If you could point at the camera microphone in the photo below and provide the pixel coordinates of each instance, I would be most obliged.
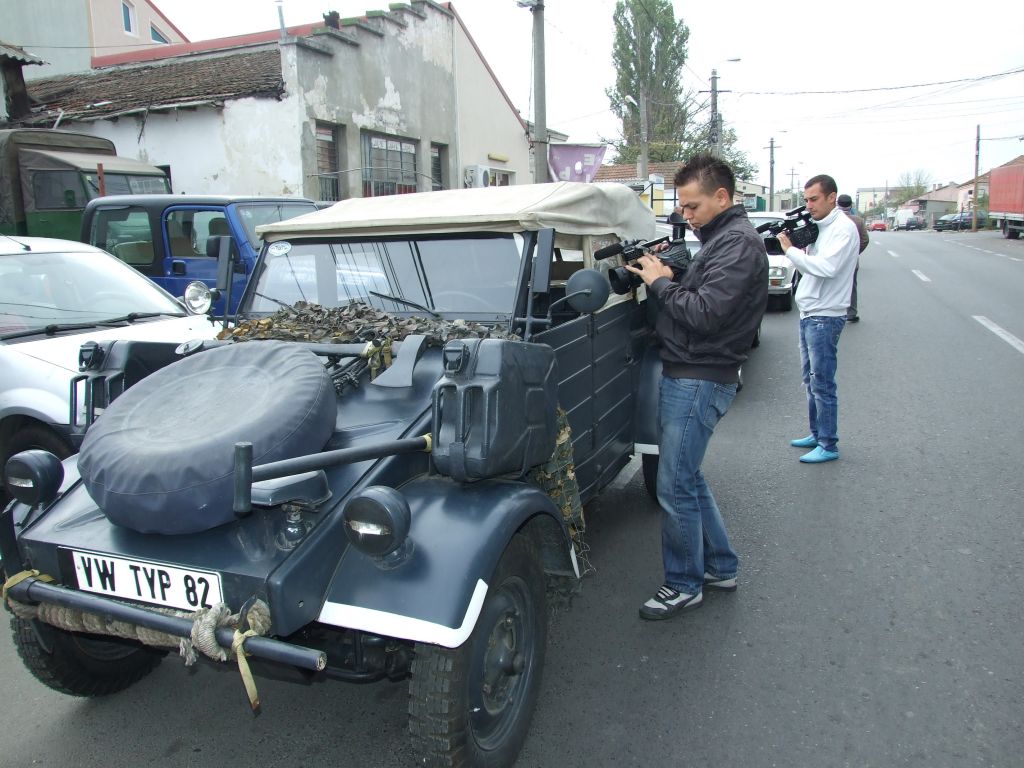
(609, 250)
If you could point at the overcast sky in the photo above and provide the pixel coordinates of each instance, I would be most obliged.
(862, 139)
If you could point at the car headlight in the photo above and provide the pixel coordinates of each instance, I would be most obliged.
(776, 272)
(377, 521)
(198, 298)
(34, 476)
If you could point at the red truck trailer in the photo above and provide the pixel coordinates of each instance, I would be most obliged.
(1006, 199)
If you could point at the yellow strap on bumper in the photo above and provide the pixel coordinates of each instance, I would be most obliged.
(20, 577)
(243, 668)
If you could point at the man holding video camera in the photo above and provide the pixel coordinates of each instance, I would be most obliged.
(706, 320)
(823, 298)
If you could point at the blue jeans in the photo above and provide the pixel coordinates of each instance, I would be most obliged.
(693, 537)
(819, 342)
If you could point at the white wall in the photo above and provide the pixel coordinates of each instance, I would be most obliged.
(235, 150)
(486, 122)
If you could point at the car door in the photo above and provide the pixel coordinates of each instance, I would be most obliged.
(186, 230)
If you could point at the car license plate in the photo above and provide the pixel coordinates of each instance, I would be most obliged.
(148, 582)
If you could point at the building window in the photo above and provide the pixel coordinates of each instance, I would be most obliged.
(158, 36)
(327, 161)
(128, 17)
(438, 161)
(389, 165)
(500, 178)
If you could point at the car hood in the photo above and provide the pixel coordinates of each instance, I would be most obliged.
(62, 351)
(779, 260)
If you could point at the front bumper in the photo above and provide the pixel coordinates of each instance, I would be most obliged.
(32, 590)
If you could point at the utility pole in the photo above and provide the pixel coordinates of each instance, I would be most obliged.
(643, 133)
(771, 174)
(714, 138)
(974, 194)
(792, 179)
(540, 117)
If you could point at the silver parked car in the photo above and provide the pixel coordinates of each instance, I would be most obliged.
(780, 269)
(56, 295)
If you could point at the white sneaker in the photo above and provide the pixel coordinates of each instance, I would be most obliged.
(668, 602)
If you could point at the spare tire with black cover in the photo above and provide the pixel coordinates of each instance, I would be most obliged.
(161, 457)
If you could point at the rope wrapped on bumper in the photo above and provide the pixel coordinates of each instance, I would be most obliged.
(255, 620)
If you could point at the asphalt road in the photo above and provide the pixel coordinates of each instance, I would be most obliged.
(878, 620)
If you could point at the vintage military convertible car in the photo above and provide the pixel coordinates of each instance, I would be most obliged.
(377, 472)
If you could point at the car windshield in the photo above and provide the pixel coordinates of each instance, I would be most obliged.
(465, 277)
(757, 221)
(57, 288)
(255, 214)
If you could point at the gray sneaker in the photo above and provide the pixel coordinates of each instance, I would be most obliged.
(727, 585)
(668, 602)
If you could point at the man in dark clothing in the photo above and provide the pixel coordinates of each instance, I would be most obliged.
(845, 204)
(706, 322)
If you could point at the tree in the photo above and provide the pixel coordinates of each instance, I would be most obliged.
(911, 184)
(649, 53)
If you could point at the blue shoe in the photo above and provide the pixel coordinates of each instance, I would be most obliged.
(819, 455)
(805, 442)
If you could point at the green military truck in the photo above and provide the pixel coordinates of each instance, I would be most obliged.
(47, 177)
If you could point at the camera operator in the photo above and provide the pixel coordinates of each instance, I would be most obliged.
(706, 322)
(823, 298)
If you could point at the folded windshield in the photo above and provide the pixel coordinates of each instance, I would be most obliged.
(466, 276)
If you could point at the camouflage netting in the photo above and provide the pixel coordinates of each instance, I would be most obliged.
(359, 322)
(356, 322)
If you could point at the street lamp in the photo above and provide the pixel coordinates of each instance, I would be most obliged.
(642, 109)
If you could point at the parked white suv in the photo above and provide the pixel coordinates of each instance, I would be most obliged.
(56, 295)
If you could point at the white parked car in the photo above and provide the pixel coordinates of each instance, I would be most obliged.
(56, 295)
(780, 269)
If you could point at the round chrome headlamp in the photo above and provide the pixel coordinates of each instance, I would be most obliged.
(377, 520)
(198, 298)
(34, 477)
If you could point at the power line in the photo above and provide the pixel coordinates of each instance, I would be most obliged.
(882, 88)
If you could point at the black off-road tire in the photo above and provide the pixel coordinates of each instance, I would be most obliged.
(650, 470)
(81, 665)
(461, 713)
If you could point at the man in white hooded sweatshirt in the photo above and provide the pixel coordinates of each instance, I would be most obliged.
(823, 297)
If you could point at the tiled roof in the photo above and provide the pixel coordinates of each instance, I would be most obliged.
(165, 85)
(628, 172)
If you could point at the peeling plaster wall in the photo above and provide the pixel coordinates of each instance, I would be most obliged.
(400, 84)
(236, 150)
(487, 124)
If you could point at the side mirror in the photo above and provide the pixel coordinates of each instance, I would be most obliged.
(587, 290)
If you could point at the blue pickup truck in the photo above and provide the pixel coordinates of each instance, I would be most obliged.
(168, 237)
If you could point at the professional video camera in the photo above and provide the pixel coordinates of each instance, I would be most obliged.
(677, 255)
(797, 225)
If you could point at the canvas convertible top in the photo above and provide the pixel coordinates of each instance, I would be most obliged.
(571, 208)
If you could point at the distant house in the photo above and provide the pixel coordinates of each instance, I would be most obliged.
(931, 205)
(71, 40)
(391, 102)
(660, 191)
(965, 197)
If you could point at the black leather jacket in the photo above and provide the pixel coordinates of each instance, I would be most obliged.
(707, 317)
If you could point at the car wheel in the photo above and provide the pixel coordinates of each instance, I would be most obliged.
(1008, 232)
(650, 470)
(81, 665)
(472, 705)
(33, 435)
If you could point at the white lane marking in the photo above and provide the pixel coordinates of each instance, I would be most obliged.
(1014, 258)
(893, 254)
(626, 474)
(1002, 333)
(921, 276)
